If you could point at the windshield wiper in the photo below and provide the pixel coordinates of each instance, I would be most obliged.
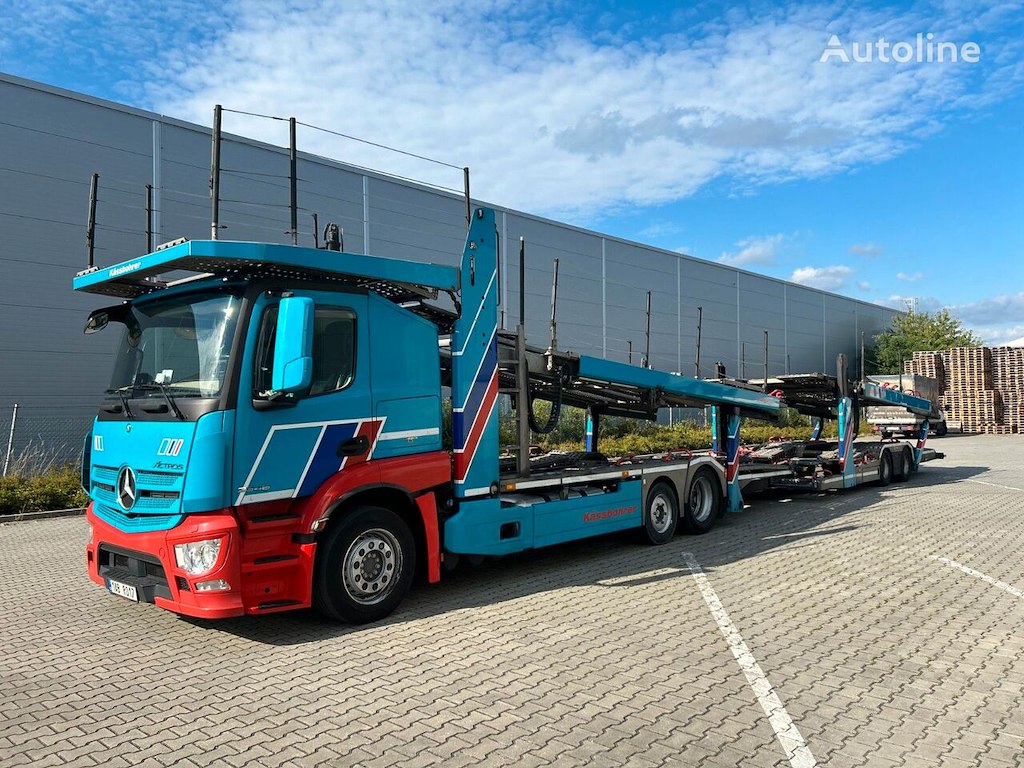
(167, 396)
(119, 391)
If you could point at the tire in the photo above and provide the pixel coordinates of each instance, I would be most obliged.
(884, 469)
(661, 513)
(902, 468)
(940, 429)
(364, 567)
(703, 502)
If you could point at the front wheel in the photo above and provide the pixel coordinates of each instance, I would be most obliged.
(703, 500)
(364, 567)
(661, 513)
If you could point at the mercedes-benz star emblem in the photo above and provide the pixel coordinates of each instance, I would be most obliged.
(126, 490)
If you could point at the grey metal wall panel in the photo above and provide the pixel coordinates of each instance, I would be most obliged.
(51, 141)
(407, 222)
(579, 311)
(762, 308)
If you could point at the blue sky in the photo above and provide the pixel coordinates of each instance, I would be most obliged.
(713, 131)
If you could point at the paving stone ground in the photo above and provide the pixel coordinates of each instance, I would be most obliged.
(881, 650)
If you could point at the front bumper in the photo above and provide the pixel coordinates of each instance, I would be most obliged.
(146, 561)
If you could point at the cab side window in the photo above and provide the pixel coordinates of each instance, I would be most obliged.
(334, 350)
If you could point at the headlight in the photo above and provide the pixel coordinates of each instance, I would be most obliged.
(198, 557)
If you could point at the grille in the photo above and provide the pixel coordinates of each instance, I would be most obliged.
(157, 479)
(134, 523)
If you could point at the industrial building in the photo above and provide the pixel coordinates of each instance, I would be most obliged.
(52, 141)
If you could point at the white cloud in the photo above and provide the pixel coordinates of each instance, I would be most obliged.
(866, 249)
(864, 285)
(659, 229)
(827, 278)
(998, 336)
(554, 121)
(753, 250)
(1000, 309)
(909, 277)
(551, 118)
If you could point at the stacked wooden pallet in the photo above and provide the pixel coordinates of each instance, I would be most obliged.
(1008, 379)
(982, 387)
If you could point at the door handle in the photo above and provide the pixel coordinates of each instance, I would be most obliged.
(355, 446)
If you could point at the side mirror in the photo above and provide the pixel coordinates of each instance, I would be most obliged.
(293, 345)
(97, 321)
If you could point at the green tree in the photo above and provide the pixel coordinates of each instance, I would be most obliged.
(916, 332)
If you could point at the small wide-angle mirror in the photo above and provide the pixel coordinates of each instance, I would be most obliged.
(97, 321)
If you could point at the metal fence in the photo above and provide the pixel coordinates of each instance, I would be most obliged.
(35, 439)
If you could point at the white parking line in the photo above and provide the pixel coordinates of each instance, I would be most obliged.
(984, 577)
(785, 729)
(994, 485)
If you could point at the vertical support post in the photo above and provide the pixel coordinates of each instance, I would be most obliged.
(316, 230)
(293, 178)
(475, 368)
(499, 240)
(847, 465)
(90, 227)
(522, 374)
(215, 174)
(743, 360)
(522, 404)
(10, 439)
(646, 363)
(522, 280)
(149, 218)
(552, 327)
(630, 343)
(465, 187)
(716, 443)
(922, 437)
(696, 359)
(734, 497)
(765, 387)
(816, 428)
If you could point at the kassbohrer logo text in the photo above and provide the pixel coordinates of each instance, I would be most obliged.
(590, 517)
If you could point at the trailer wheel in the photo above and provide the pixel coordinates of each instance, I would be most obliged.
(661, 513)
(905, 463)
(884, 469)
(703, 500)
(940, 429)
(364, 567)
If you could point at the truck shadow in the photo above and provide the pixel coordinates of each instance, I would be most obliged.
(771, 521)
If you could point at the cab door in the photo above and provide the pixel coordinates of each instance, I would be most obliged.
(286, 446)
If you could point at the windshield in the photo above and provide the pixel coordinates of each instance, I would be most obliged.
(178, 345)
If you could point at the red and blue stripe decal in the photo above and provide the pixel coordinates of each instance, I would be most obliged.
(325, 462)
(470, 421)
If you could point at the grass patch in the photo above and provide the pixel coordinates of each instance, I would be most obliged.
(34, 483)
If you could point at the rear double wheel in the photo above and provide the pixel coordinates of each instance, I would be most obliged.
(364, 567)
(703, 502)
(884, 469)
(903, 465)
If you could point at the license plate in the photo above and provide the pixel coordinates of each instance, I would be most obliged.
(123, 590)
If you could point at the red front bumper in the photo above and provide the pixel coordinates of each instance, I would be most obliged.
(146, 561)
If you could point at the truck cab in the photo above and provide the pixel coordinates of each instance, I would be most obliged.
(234, 399)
